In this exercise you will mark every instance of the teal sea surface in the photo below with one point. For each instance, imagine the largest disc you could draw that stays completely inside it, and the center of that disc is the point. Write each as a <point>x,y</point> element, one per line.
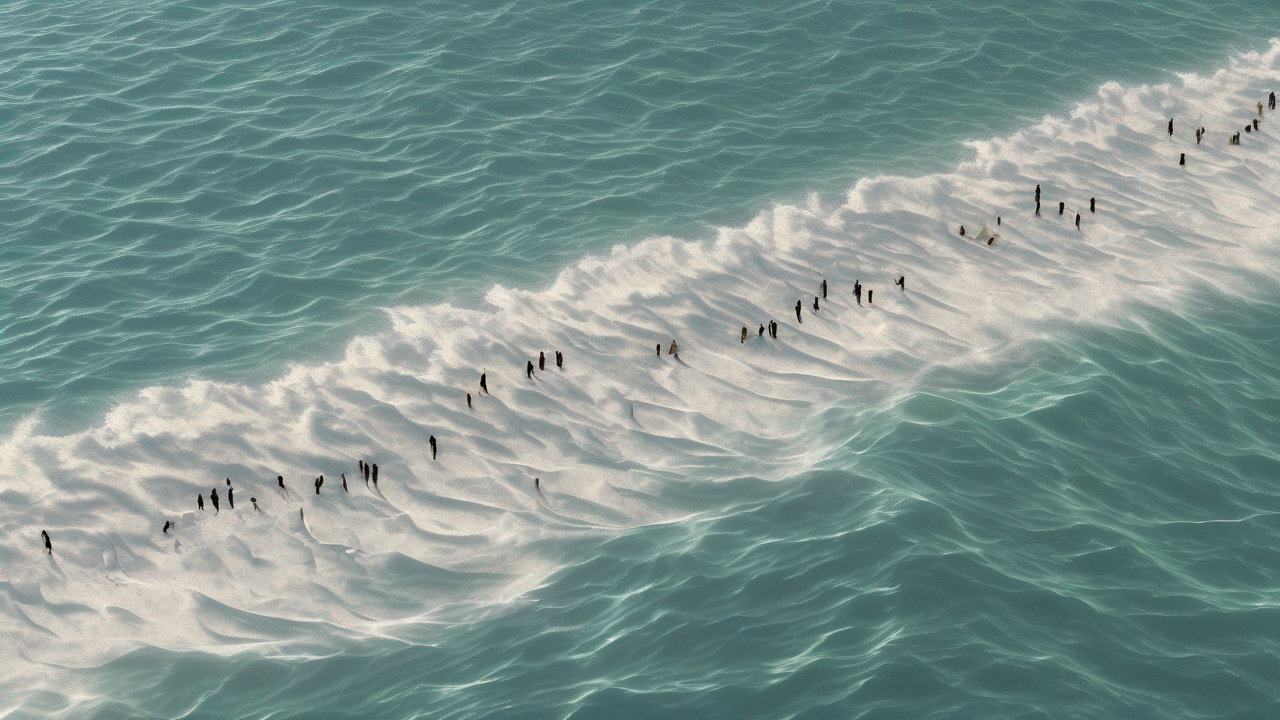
<point>249,240</point>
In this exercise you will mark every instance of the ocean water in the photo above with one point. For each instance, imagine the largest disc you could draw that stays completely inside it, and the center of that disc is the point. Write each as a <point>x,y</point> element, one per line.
<point>258,239</point>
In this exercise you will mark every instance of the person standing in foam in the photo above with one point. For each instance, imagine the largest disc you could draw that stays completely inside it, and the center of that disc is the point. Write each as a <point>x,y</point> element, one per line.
<point>375,474</point>
<point>1077,221</point>
<point>674,350</point>
<point>761,333</point>
<point>200,501</point>
<point>869,294</point>
<point>468,401</point>
<point>901,282</point>
<point>344,482</point>
<point>857,291</point>
<point>213,495</point>
<point>366,474</point>
<point>560,360</point>
<point>318,483</point>
<point>432,442</point>
<point>280,482</point>
<point>1271,102</point>
<point>1170,127</point>
<point>484,386</point>
<point>659,349</point>
<point>744,335</point>
<point>815,304</point>
<point>824,289</point>
<point>1037,199</point>
<point>798,306</point>
<point>542,361</point>
<point>166,527</point>
<point>529,370</point>
<point>48,546</point>
<point>231,496</point>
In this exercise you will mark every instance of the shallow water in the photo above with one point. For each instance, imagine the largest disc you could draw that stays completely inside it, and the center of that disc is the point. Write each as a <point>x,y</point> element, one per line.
<point>1039,482</point>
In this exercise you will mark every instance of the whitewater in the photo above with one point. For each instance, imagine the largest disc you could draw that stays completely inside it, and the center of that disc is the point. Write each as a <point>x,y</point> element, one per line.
<point>445,543</point>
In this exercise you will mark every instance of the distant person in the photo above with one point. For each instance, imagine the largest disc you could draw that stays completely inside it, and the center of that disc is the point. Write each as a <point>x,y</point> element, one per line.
<point>166,527</point>
<point>997,219</point>
<point>319,481</point>
<point>375,474</point>
<point>468,401</point>
<point>1198,134</point>
<point>1062,207</point>
<point>961,231</point>
<point>1182,159</point>
<point>231,497</point>
<point>484,386</point>
<point>48,545</point>
<point>815,304</point>
<point>901,282</point>
<point>869,294</point>
<point>1092,205</point>
<point>1259,109</point>
<point>432,442</point>
<point>1271,102</point>
<point>857,291</point>
<point>537,485</point>
<point>1037,192</point>
<point>824,289</point>
<point>773,329</point>
<point>1170,127</point>
<point>344,482</point>
<point>1077,221</point>
<point>1248,128</point>
<point>542,361</point>
<point>761,333</point>
<point>673,350</point>
<point>1255,123</point>
<point>560,360</point>
<point>528,370</point>
<point>798,306</point>
<point>1037,207</point>
<point>744,334</point>
<point>254,501</point>
<point>367,469</point>
<point>228,482</point>
<point>360,464</point>
<point>658,347</point>
<point>280,481</point>
<point>213,496</point>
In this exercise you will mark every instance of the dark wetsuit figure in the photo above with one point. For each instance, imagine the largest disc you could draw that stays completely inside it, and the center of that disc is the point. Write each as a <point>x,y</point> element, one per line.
<point>857,291</point>
<point>961,231</point>
<point>824,289</point>
<point>761,333</point>
<point>1077,221</point>
<point>869,294</point>
<point>254,500</point>
<point>367,468</point>
<point>774,323</point>
<point>536,485</point>
<point>997,219</point>
<point>280,481</point>
<point>1037,199</point>
<point>1271,102</point>
<point>1182,159</point>
<point>815,304</point>
<point>375,474</point>
<point>902,283</point>
<point>432,441</point>
<point>1170,127</point>
<point>1092,204</point>
<point>658,347</point>
<point>468,401</point>
<point>1062,207</point>
<point>798,306</point>
<point>542,361</point>
<point>559,360</point>
<point>48,546</point>
<point>319,482</point>
<point>1255,123</point>
<point>344,482</point>
<point>231,498</point>
<point>213,496</point>
<point>484,386</point>
<point>167,525</point>
<point>529,370</point>
<point>200,501</point>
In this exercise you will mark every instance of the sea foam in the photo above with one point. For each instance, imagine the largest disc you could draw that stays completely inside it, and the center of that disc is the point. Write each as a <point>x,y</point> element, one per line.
<point>448,540</point>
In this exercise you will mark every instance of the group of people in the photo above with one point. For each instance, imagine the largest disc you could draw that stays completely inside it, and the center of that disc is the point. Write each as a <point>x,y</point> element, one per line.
<point>370,471</point>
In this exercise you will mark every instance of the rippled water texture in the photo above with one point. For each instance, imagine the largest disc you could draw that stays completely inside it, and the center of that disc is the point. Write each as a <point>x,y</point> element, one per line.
<point>214,188</point>
<point>1038,482</point>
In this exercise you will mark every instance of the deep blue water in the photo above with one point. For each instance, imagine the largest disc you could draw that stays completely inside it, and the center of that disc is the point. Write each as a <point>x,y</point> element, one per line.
<point>261,238</point>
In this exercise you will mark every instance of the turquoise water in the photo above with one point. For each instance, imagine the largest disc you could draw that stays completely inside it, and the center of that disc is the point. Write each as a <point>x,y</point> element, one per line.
<point>252,239</point>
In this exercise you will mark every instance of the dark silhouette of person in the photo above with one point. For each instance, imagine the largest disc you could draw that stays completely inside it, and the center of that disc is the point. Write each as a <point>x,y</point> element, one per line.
<point>1248,128</point>
<point>857,291</point>
<point>1182,159</point>
<point>319,482</point>
<point>213,495</point>
<point>228,482</point>
<point>367,468</point>
<point>1198,133</point>
<point>673,350</point>
<point>824,289</point>
<point>254,500</point>
<point>529,370</point>
<point>1037,207</point>
<point>375,474</point>
<point>815,304</point>
<point>344,482</point>
<point>231,498</point>
<point>537,485</point>
<point>744,335</point>
<point>869,294</point>
<point>542,361</point>
<point>1271,102</point>
<point>1092,204</point>
<point>280,481</point>
<point>1062,207</point>
<point>166,527</point>
<point>484,386</point>
<point>961,231</point>
<point>1077,221</point>
<point>560,360</point>
<point>902,283</point>
<point>1170,127</point>
<point>775,329</point>
<point>798,306</point>
<point>761,333</point>
<point>200,501</point>
<point>658,347</point>
<point>1255,123</point>
<point>468,401</point>
<point>48,545</point>
<point>997,219</point>
<point>432,442</point>
<point>1037,193</point>
<point>360,464</point>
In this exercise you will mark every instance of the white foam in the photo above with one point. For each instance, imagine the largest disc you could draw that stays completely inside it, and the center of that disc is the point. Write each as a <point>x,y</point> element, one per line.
<point>444,539</point>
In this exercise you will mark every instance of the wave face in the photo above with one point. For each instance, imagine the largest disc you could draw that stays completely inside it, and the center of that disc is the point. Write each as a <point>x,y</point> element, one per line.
<point>217,189</point>
<point>1039,480</point>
